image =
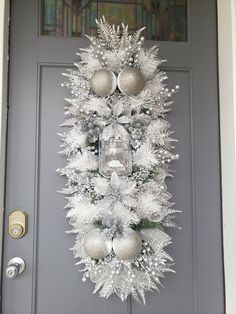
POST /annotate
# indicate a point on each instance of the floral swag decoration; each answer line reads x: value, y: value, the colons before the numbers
x: 119, y: 147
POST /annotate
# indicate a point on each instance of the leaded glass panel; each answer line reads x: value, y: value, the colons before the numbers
x: 165, y: 20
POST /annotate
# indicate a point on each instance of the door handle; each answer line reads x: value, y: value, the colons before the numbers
x: 15, y: 267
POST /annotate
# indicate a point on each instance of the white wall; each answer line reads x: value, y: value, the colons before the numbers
x: 227, y: 90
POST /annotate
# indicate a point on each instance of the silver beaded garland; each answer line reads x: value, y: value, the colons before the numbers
x: 96, y: 245
x: 128, y: 246
x: 130, y: 81
x: 103, y: 82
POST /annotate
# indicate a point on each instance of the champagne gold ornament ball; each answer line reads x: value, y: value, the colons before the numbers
x: 130, y: 81
x: 103, y: 82
x: 96, y: 245
x: 128, y: 246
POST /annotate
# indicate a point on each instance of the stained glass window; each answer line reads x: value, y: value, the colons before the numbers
x: 165, y: 20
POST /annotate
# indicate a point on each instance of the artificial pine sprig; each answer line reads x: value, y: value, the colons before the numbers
x: 146, y: 224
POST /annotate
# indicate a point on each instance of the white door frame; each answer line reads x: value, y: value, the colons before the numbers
x: 227, y: 98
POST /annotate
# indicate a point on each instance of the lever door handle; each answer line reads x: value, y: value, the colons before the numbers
x: 15, y: 267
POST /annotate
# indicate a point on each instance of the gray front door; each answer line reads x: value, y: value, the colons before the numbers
x: 51, y: 283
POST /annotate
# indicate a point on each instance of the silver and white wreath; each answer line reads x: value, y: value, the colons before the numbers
x: 118, y: 146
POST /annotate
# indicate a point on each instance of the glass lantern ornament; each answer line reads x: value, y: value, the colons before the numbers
x: 114, y: 153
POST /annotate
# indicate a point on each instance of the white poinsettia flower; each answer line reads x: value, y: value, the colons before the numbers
x: 119, y: 197
x: 116, y: 188
x: 115, y: 122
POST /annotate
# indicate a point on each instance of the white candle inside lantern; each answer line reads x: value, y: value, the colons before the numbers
x: 114, y: 154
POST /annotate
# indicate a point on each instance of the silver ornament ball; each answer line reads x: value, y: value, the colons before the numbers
x: 128, y: 246
x: 103, y: 82
x: 96, y: 245
x: 130, y: 81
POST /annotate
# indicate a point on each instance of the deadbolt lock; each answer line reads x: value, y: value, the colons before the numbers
x: 17, y: 223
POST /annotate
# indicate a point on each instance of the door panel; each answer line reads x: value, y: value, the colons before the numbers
x: 51, y: 283
x: 57, y: 269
